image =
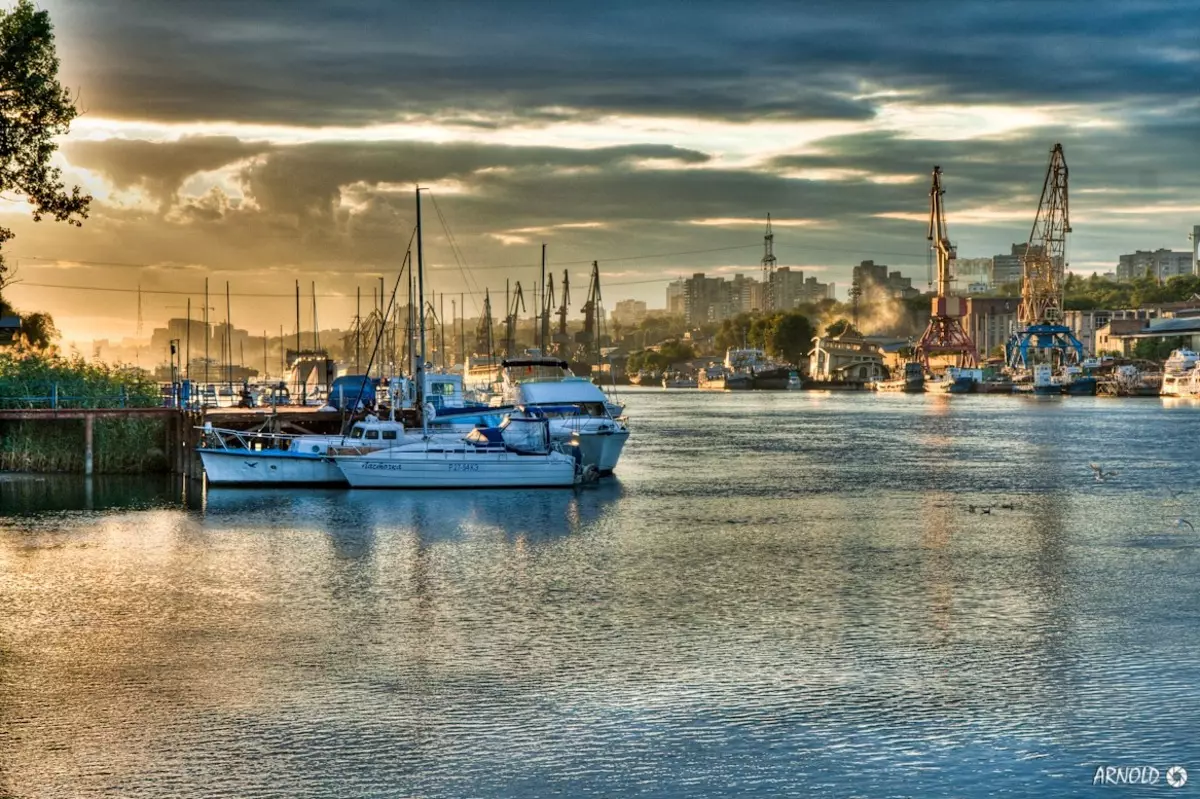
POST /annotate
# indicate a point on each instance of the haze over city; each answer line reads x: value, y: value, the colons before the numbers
x: 260, y: 143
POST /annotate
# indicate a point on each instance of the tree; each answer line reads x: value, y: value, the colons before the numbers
x: 839, y: 327
x: 38, y: 331
x: 34, y: 109
x: 792, y: 338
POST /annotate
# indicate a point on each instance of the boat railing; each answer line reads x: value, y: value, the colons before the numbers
x: 227, y: 439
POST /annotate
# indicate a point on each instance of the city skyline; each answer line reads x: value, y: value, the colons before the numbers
x: 249, y: 144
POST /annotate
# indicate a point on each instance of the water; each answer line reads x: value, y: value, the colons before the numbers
x: 783, y: 594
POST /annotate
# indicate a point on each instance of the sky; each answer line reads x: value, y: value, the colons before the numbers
x: 259, y: 143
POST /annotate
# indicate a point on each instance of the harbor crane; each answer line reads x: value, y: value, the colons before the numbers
x: 483, y: 330
x: 945, y: 334
x: 587, y: 340
x: 515, y: 308
x: 547, y: 307
x: 562, y: 339
x: 1043, y: 336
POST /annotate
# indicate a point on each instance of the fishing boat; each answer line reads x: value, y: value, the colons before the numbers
x: 1075, y: 382
x: 711, y: 377
x: 952, y: 381
x: 517, y: 454
x: 678, y: 380
x: 912, y: 381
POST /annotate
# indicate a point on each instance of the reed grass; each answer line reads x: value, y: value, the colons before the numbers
x: 121, y: 446
x: 30, y: 379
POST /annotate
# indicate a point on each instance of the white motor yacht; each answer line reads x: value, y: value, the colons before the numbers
x: 577, y: 409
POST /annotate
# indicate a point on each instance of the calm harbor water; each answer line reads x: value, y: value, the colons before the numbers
x: 781, y: 594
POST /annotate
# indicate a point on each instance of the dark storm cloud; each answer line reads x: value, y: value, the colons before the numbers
x: 309, y: 62
x: 160, y: 168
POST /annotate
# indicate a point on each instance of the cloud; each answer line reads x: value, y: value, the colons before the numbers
x: 485, y: 64
x: 268, y: 141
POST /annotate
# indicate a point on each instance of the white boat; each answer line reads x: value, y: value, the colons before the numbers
x: 235, y: 457
x: 1183, y: 360
x: 577, y: 410
x: 518, y: 454
x: 1180, y: 384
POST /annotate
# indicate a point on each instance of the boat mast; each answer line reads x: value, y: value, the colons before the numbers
x: 420, y: 290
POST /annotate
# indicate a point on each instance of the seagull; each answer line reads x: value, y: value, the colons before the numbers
x: 1174, y: 494
x: 1101, y: 475
x: 1185, y: 523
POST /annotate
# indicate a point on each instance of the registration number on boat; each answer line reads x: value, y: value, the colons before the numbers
x: 464, y: 467
x: 391, y: 467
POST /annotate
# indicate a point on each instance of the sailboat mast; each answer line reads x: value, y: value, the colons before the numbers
x: 420, y: 287
x: 541, y: 305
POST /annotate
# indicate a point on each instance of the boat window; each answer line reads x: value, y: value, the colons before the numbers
x: 356, y: 432
x: 594, y: 409
x: 372, y: 435
x: 442, y: 389
x: 389, y: 435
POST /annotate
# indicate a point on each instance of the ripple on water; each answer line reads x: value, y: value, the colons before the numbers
x: 782, y: 595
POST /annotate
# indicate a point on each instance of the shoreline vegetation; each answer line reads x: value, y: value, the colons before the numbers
x: 30, y: 379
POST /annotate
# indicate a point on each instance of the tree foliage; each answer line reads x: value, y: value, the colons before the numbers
x: 841, y: 326
x: 669, y: 354
x: 1087, y: 293
x: 34, y: 109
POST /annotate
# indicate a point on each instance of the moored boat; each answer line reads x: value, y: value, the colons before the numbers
x: 518, y: 454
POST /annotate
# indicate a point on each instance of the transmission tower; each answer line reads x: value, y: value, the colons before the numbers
x: 945, y: 334
x: 768, y: 269
x: 1042, y: 269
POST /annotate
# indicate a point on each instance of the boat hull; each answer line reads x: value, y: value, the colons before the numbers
x: 739, y: 382
x: 773, y: 380
x: 246, y: 467
x: 601, y: 449
x: 1080, y: 387
x: 460, y: 468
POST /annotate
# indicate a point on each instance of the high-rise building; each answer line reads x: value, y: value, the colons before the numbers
x: 675, y: 302
x: 746, y: 294
x: 706, y: 299
x: 814, y: 291
x: 990, y: 321
x: 786, y: 288
x: 1006, y: 268
x: 876, y: 283
x: 973, y: 272
x: 1161, y: 265
x: 629, y: 313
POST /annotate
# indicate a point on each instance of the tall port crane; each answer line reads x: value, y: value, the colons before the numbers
x: 587, y: 340
x: 515, y: 308
x: 945, y: 333
x: 483, y: 331
x: 1042, y: 267
x: 562, y: 339
x: 547, y: 307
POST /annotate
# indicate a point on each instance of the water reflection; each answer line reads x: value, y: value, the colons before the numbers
x: 790, y: 596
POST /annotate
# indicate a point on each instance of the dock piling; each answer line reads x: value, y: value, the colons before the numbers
x: 89, y: 429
